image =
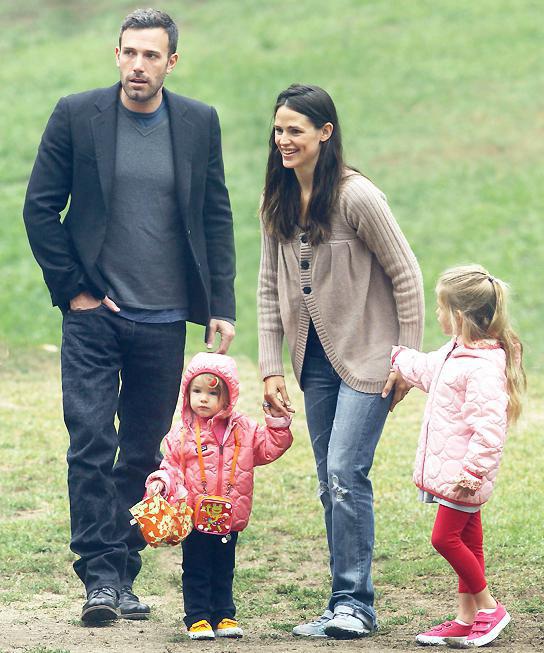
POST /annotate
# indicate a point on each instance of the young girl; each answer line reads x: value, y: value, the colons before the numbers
x: 474, y: 384
x: 213, y: 451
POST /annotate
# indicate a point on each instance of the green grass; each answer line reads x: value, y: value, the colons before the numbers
x: 436, y: 99
x: 438, y: 106
x: 281, y: 560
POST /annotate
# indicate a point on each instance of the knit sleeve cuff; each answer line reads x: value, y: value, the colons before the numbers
x: 270, y: 355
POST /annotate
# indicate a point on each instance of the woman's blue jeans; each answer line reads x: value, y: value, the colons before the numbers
x: 345, y: 427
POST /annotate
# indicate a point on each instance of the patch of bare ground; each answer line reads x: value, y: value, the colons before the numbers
x: 57, y: 629
x: 49, y: 622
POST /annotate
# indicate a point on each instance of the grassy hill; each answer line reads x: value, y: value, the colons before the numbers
x: 437, y: 102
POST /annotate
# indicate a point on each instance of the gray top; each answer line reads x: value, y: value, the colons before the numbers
x: 144, y: 251
x: 427, y: 497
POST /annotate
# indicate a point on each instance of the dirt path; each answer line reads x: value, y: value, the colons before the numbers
x: 43, y: 629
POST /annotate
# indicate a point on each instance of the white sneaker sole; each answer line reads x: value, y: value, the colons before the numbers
x: 320, y: 635
x: 429, y: 640
x: 233, y: 633
x: 456, y: 642
x: 209, y: 635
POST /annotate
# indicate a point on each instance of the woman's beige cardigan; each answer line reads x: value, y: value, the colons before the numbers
x: 362, y: 289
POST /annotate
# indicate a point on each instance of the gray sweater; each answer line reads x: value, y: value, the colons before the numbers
x: 362, y: 289
x: 143, y: 258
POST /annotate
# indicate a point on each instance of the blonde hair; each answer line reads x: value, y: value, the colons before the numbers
x: 481, y: 301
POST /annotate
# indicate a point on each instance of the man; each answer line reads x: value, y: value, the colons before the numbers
x: 146, y: 244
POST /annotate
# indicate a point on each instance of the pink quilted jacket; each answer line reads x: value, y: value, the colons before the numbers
x: 259, y: 445
x: 464, y: 424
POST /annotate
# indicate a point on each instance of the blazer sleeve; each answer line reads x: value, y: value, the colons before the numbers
x: 219, y: 230
x: 47, y: 195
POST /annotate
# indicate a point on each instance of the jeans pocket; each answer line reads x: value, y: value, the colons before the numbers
x: 85, y: 311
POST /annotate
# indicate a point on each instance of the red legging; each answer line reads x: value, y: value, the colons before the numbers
x: 458, y: 537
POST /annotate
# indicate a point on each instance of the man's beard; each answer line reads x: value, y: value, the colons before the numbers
x: 142, y: 95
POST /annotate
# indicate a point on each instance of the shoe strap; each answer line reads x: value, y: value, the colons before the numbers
x: 483, y: 617
x: 481, y: 625
x: 200, y: 625
x: 228, y: 623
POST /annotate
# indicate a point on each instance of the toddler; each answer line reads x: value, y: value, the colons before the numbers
x: 474, y: 384
x: 213, y: 451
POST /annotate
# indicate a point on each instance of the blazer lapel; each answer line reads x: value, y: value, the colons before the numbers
x: 104, y: 128
x: 182, y: 131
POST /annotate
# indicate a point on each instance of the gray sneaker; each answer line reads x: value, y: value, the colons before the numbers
x: 346, y: 624
x: 314, y: 628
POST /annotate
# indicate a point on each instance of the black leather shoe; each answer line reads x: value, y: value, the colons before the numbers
x: 131, y: 607
x: 102, y: 606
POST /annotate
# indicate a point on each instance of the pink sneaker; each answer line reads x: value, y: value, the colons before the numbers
x: 451, y: 630
x: 487, y: 626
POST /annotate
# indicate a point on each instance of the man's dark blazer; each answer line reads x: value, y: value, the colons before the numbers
x: 76, y: 160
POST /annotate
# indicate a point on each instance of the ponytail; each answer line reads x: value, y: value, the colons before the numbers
x: 500, y: 329
x: 482, y: 301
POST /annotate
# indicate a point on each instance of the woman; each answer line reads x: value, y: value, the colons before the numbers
x: 340, y: 282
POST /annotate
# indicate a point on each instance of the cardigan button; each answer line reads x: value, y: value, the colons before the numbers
x: 304, y: 238
x: 306, y: 290
x: 305, y: 264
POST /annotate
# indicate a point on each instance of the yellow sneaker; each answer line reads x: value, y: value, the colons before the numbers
x: 201, y: 630
x: 228, y: 628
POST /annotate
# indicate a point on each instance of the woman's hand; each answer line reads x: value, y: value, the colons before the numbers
x: 276, y: 400
x: 402, y: 387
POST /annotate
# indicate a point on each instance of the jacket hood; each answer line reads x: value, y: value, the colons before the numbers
x: 222, y: 366
x: 489, y: 350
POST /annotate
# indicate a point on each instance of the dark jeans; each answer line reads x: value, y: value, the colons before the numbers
x: 208, y: 572
x: 345, y: 426
x: 107, y: 467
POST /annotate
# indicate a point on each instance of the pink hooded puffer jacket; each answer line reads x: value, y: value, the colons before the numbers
x: 259, y: 445
x: 465, y: 420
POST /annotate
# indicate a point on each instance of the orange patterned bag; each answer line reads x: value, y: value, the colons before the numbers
x: 162, y: 523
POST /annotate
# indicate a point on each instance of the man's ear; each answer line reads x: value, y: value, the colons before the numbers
x: 172, y: 61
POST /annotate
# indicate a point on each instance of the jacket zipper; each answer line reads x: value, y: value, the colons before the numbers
x: 221, y: 460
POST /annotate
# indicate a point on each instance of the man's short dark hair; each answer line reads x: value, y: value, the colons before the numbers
x: 148, y: 18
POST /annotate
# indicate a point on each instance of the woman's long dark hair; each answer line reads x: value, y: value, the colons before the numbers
x: 281, y: 207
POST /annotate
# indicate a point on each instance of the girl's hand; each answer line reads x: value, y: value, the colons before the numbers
x: 276, y: 400
x: 401, y: 388
x: 155, y: 487
x: 467, y: 485
x: 464, y: 491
